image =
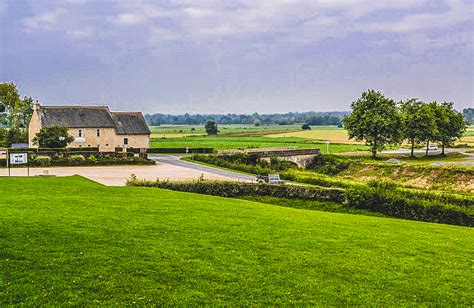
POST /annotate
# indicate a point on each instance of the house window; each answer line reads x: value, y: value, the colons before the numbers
x: 80, y: 133
x: 98, y: 133
x: 125, y: 141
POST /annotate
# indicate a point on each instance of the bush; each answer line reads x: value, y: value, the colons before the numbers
x: 43, y: 161
x: 92, y: 160
x: 305, y: 127
x: 76, y: 160
x: 236, y: 189
x: 393, y: 203
x: 329, y: 164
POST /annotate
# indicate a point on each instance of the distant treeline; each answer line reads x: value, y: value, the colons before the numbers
x: 311, y: 118
x: 469, y: 115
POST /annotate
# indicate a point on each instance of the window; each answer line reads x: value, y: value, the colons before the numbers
x: 80, y: 133
x: 98, y: 133
x: 125, y: 141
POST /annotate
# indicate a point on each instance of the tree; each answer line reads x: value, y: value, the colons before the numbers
x: 450, y: 124
x: 211, y: 128
x: 418, y: 122
x: 375, y: 119
x: 305, y: 127
x: 53, y: 137
x: 15, y: 113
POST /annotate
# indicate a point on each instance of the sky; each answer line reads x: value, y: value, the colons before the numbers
x: 237, y: 56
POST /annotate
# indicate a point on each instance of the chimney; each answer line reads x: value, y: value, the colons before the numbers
x: 36, y: 106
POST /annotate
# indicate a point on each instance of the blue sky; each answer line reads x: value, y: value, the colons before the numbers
x: 247, y: 56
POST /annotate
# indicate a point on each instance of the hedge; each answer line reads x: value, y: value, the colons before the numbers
x: 393, y: 203
x: 237, y: 189
x: 386, y: 201
x: 180, y: 150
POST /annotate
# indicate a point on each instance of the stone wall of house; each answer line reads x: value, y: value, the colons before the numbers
x: 34, y: 126
x: 104, y: 138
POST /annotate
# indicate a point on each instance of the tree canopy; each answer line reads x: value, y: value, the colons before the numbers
x: 53, y: 137
x: 211, y: 128
x: 375, y: 119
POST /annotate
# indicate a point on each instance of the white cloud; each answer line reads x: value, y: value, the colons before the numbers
x: 128, y: 19
x: 44, y: 21
x: 79, y: 34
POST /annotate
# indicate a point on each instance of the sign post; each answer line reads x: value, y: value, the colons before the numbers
x: 18, y: 158
x: 327, y: 146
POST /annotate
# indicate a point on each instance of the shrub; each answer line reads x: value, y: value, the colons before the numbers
x: 329, y: 164
x: 392, y: 203
x: 92, y: 160
x: 236, y: 189
x: 305, y: 127
x: 76, y: 160
x: 43, y: 161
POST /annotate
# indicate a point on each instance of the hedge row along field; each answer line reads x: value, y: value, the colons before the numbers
x: 376, y: 199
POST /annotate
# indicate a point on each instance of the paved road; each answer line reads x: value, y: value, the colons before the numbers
x: 404, y: 151
x: 175, y: 160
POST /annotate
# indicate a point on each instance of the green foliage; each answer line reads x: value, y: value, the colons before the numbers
x: 43, y: 161
x: 53, y: 137
x: 15, y: 114
x: 77, y: 160
x: 450, y: 124
x: 305, y: 127
x: 383, y: 199
x: 374, y: 119
x: 233, y: 189
x: 418, y: 122
x: 329, y: 164
x: 211, y: 128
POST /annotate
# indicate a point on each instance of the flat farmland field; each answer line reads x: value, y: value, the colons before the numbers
x: 176, y: 131
x: 88, y: 244
x: 320, y: 133
x: 468, y: 137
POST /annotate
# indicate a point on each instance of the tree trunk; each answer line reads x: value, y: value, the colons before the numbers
x: 412, y: 147
x: 427, y: 146
x: 374, y: 150
x: 442, y: 148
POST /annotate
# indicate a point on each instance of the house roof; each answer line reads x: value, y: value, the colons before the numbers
x: 130, y: 123
x: 125, y: 123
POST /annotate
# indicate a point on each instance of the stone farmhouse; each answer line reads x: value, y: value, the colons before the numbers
x: 93, y: 126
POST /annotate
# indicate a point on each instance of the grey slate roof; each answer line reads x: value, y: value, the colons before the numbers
x: 130, y: 123
x: 125, y: 123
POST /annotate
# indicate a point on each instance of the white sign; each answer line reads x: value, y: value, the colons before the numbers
x: 18, y: 158
x: 274, y: 179
x: 79, y: 139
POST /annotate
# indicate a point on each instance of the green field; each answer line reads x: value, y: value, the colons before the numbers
x: 265, y: 136
x: 70, y: 241
x: 242, y: 142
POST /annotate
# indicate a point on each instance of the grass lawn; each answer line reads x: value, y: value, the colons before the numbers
x: 222, y: 142
x: 331, y: 133
x: 72, y: 241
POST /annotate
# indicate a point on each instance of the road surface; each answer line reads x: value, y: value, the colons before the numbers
x: 176, y: 161
x: 167, y: 168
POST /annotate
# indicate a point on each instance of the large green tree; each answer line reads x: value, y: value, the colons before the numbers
x: 418, y: 122
x: 450, y: 124
x: 53, y: 137
x: 374, y: 119
x: 211, y: 128
x: 15, y: 113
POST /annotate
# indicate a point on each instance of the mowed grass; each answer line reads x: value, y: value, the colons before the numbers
x: 222, y: 142
x: 72, y: 241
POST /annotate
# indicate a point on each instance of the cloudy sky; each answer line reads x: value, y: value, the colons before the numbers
x: 246, y: 56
